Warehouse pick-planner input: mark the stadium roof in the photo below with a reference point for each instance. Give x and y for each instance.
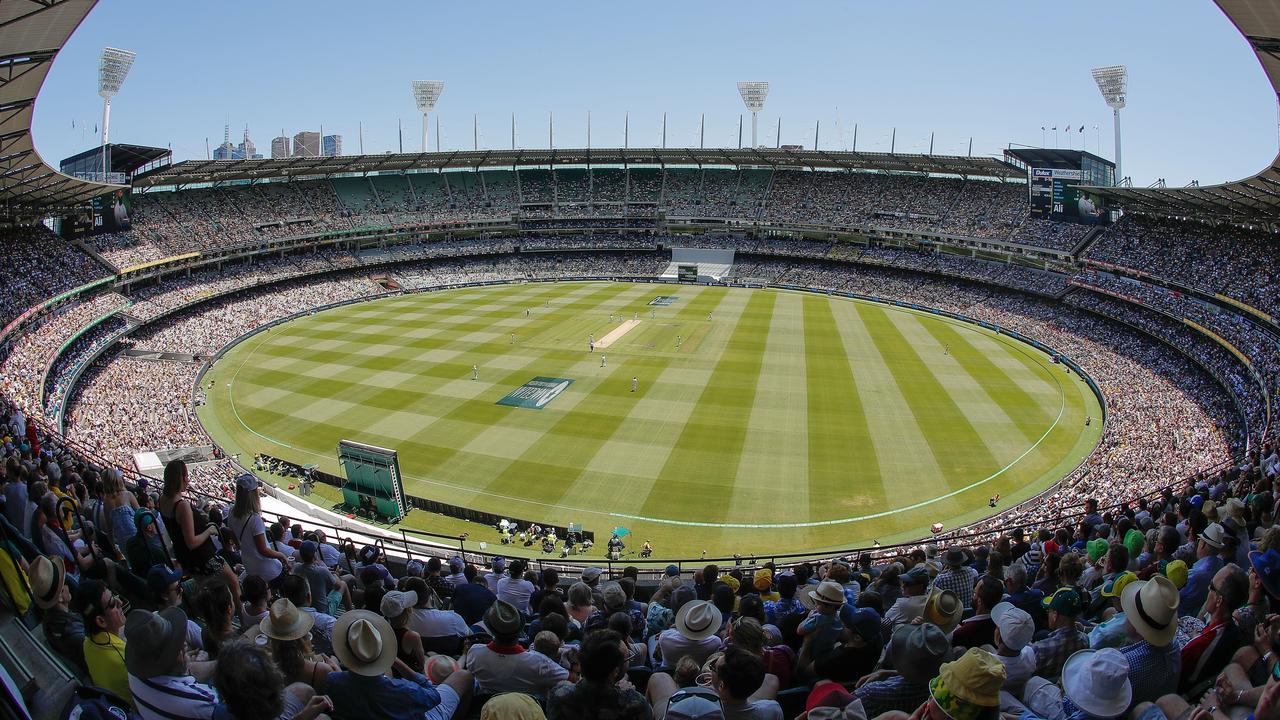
(124, 158)
(1054, 157)
(1252, 200)
(210, 171)
(32, 32)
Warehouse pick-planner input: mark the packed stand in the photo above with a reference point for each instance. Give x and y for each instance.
(38, 266)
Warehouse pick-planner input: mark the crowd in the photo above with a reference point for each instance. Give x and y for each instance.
(38, 266)
(181, 598)
(28, 357)
(1236, 262)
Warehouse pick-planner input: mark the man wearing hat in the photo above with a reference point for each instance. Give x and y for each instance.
(693, 634)
(328, 592)
(916, 652)
(366, 646)
(957, 576)
(1208, 562)
(1151, 617)
(915, 584)
(503, 665)
(943, 608)
(155, 657)
(62, 628)
(1014, 629)
(1065, 636)
(1095, 686)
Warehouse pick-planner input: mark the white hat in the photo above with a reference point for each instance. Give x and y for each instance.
(396, 602)
(698, 620)
(1097, 681)
(1151, 607)
(1212, 535)
(1015, 625)
(364, 643)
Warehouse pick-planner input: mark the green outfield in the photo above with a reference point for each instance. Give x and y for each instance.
(782, 422)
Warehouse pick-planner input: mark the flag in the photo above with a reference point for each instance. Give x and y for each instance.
(1041, 128)
(1055, 128)
(1081, 128)
(73, 124)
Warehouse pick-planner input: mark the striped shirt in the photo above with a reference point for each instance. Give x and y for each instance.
(168, 697)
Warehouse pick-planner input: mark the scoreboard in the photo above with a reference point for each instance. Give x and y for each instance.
(687, 273)
(1055, 195)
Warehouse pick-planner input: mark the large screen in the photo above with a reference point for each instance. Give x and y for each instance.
(1056, 195)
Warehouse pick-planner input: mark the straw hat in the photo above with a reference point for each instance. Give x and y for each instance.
(944, 609)
(828, 592)
(47, 577)
(1152, 608)
(285, 622)
(364, 643)
(698, 620)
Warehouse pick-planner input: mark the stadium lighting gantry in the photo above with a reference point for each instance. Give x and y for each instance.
(425, 94)
(113, 66)
(1113, 83)
(753, 95)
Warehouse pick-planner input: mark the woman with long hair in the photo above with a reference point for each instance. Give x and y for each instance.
(250, 534)
(118, 508)
(195, 551)
(288, 633)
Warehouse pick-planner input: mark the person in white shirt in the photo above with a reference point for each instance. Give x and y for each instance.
(503, 665)
(431, 623)
(258, 556)
(491, 578)
(1014, 630)
(514, 589)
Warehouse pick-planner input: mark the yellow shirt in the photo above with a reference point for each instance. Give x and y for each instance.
(104, 654)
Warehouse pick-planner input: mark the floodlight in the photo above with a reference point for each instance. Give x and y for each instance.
(113, 66)
(425, 94)
(1113, 83)
(753, 95)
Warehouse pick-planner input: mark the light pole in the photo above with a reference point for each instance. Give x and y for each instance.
(113, 66)
(425, 94)
(753, 95)
(1113, 83)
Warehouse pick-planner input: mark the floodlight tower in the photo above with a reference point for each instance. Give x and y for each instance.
(753, 95)
(425, 94)
(113, 66)
(1113, 82)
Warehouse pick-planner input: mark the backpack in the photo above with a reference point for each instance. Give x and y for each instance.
(91, 703)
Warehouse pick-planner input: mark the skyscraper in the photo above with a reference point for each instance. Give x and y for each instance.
(331, 145)
(281, 147)
(247, 150)
(306, 144)
(225, 151)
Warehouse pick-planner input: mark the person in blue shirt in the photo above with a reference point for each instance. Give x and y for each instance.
(1193, 594)
(366, 646)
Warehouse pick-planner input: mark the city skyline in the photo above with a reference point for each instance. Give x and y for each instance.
(905, 77)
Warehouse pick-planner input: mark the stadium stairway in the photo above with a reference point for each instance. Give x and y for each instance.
(1086, 242)
(43, 680)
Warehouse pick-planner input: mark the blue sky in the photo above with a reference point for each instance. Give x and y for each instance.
(1199, 104)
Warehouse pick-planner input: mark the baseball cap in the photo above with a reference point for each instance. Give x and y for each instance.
(396, 602)
(917, 575)
(1015, 625)
(159, 578)
(673, 571)
(307, 550)
(1113, 587)
(1064, 600)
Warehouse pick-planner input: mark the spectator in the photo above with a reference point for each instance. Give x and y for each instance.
(979, 629)
(251, 535)
(1065, 635)
(1014, 629)
(968, 687)
(1210, 651)
(604, 662)
(62, 628)
(1208, 563)
(910, 606)
(298, 592)
(194, 550)
(366, 647)
(957, 576)
(1095, 684)
(104, 647)
(159, 678)
(288, 633)
(504, 665)
(514, 589)
(251, 687)
(396, 607)
(1150, 615)
(326, 588)
(693, 635)
(916, 652)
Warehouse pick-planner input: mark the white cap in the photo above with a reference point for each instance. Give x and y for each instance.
(1015, 625)
(396, 602)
